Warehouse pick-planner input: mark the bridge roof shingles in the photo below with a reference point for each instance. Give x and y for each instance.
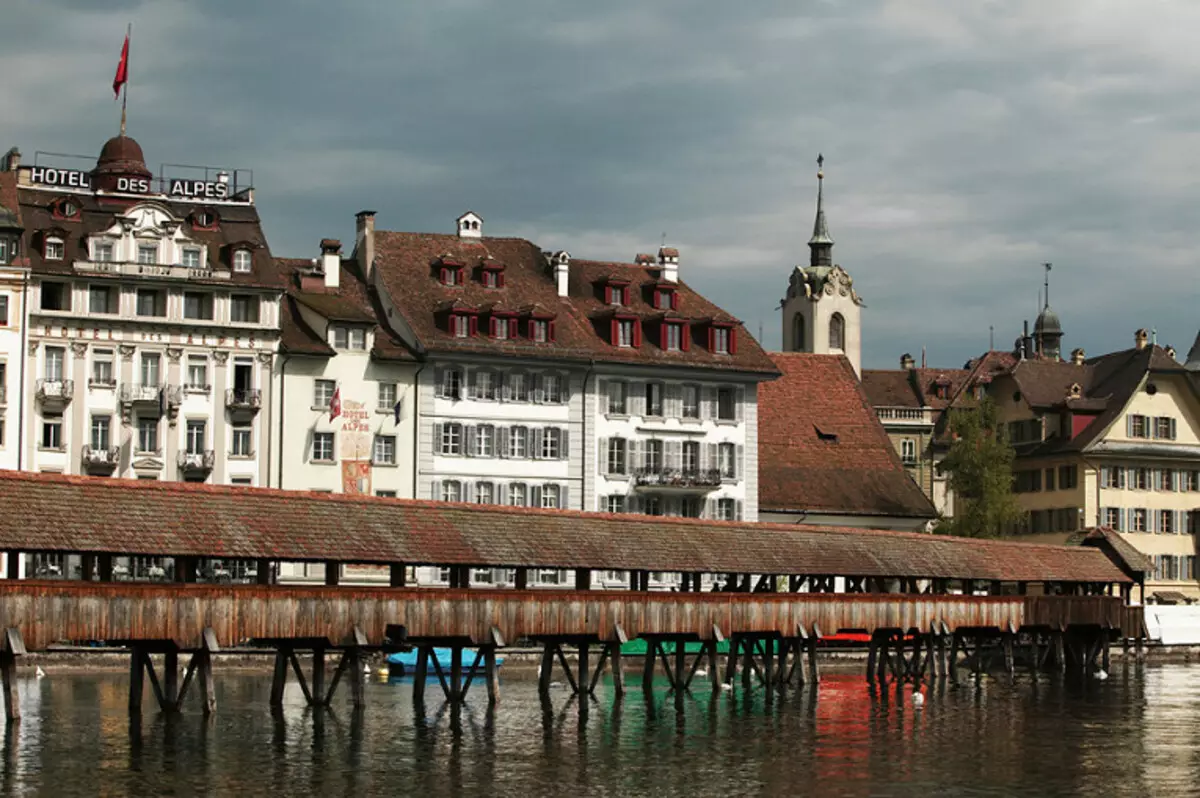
(42, 512)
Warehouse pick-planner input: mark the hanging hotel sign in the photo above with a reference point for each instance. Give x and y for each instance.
(175, 187)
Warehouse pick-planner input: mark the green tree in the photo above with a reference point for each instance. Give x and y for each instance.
(979, 465)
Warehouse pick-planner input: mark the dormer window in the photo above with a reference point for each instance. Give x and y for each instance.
(492, 275)
(204, 220)
(676, 336)
(52, 248)
(666, 299)
(616, 294)
(722, 339)
(102, 251)
(503, 327)
(64, 209)
(462, 325)
(192, 257)
(241, 261)
(626, 332)
(450, 273)
(353, 338)
(147, 254)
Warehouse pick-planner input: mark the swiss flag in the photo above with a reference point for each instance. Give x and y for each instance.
(122, 69)
(335, 404)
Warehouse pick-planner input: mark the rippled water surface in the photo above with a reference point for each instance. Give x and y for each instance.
(1136, 734)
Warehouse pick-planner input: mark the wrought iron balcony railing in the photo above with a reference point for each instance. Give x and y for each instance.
(677, 477)
(55, 390)
(197, 461)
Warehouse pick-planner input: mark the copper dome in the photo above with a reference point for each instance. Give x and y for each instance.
(121, 156)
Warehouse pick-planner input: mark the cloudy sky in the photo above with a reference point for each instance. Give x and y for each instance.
(965, 142)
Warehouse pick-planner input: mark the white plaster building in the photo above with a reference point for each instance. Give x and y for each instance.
(14, 284)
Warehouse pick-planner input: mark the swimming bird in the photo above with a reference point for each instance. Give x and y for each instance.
(702, 673)
(1101, 674)
(726, 686)
(918, 699)
(38, 672)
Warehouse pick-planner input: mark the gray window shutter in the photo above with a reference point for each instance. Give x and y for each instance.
(636, 399)
(469, 440)
(564, 448)
(534, 443)
(739, 505)
(714, 456)
(739, 461)
(674, 455)
(437, 438)
(564, 388)
(633, 456)
(439, 379)
(633, 503)
(1172, 429)
(564, 496)
(537, 390)
(603, 452)
(673, 401)
(535, 495)
(1104, 476)
(601, 396)
(468, 491)
(502, 434)
(739, 401)
(1129, 426)
(710, 508)
(435, 490)
(708, 401)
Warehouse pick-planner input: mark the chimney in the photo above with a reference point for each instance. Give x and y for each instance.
(12, 161)
(561, 261)
(469, 225)
(364, 243)
(1078, 356)
(668, 260)
(907, 362)
(1169, 351)
(1140, 338)
(331, 261)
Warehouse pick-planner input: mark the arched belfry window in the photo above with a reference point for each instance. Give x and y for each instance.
(837, 332)
(797, 333)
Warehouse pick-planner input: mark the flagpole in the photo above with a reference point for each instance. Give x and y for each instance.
(125, 85)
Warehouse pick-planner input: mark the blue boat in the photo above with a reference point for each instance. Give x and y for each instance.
(403, 663)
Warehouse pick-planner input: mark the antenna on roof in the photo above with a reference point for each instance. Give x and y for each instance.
(760, 331)
(1047, 282)
(991, 337)
(922, 355)
(664, 239)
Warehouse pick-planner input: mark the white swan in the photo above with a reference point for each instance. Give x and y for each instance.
(918, 699)
(1101, 674)
(38, 672)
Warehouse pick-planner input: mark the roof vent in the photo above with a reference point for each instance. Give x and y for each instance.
(561, 261)
(470, 225)
(1078, 356)
(907, 362)
(1169, 351)
(1140, 338)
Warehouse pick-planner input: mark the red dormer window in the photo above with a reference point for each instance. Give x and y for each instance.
(492, 274)
(463, 325)
(666, 299)
(205, 219)
(616, 293)
(675, 336)
(502, 327)
(626, 332)
(722, 339)
(451, 275)
(65, 209)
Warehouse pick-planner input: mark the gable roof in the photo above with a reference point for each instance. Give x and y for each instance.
(48, 512)
(801, 467)
(408, 265)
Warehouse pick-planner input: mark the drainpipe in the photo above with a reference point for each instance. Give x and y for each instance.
(282, 382)
(417, 429)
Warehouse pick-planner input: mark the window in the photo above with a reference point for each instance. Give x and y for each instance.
(484, 385)
(1027, 481)
(1068, 477)
(516, 388)
(665, 299)
(1165, 479)
(552, 389)
(385, 450)
(101, 299)
(485, 441)
(551, 443)
(551, 498)
(1189, 481)
(241, 260)
(721, 337)
(450, 384)
(503, 328)
(1050, 479)
(243, 308)
(323, 393)
(1112, 517)
(616, 294)
(151, 302)
(837, 331)
(387, 396)
(385, 494)
(1164, 428)
(1137, 520)
(1141, 479)
(197, 305)
(5, 256)
(652, 456)
(908, 451)
(516, 494)
(617, 397)
(625, 332)
(197, 373)
(451, 275)
(1166, 521)
(613, 504)
(617, 456)
(52, 432)
(691, 401)
(492, 278)
(691, 457)
(147, 435)
(539, 330)
(1139, 427)
(102, 251)
(56, 296)
(518, 442)
(672, 338)
(726, 509)
(241, 442)
(197, 436)
(654, 399)
(452, 439)
(485, 493)
(727, 460)
(726, 404)
(191, 257)
(461, 325)
(102, 368)
(150, 368)
(54, 249)
(101, 432)
(652, 505)
(452, 491)
(147, 254)
(1113, 478)
(55, 360)
(322, 448)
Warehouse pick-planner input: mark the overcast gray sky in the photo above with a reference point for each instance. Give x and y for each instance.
(965, 142)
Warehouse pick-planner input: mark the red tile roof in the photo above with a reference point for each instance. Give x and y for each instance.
(9, 202)
(409, 268)
(44, 512)
(821, 446)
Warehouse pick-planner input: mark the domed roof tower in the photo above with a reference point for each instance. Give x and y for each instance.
(1047, 330)
(120, 157)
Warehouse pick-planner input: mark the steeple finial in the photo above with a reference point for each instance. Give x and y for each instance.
(821, 244)
(1046, 294)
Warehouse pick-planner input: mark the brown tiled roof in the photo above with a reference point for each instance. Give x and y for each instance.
(891, 388)
(802, 467)
(10, 206)
(352, 301)
(1136, 564)
(239, 224)
(409, 270)
(44, 512)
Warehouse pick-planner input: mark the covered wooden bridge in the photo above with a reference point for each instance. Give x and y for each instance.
(923, 599)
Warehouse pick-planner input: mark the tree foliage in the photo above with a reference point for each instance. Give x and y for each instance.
(979, 465)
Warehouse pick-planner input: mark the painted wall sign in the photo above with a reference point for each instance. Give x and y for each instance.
(65, 178)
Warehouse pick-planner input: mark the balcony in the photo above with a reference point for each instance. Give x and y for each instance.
(55, 392)
(677, 480)
(245, 401)
(101, 460)
(141, 394)
(906, 416)
(197, 462)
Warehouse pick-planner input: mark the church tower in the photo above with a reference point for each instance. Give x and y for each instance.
(821, 312)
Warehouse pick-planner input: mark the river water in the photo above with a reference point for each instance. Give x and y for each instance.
(1136, 734)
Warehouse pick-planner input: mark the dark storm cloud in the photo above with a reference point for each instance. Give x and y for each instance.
(967, 143)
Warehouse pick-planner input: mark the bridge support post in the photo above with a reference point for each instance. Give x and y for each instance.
(283, 656)
(136, 684)
(814, 673)
(872, 657)
(546, 670)
(12, 647)
(317, 696)
(952, 662)
(421, 673)
(170, 697)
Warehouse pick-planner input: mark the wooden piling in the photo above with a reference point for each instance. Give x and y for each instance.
(546, 671)
(618, 674)
(279, 679)
(421, 674)
(170, 699)
(491, 674)
(136, 683)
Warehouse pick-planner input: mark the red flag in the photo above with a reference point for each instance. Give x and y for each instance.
(122, 69)
(335, 404)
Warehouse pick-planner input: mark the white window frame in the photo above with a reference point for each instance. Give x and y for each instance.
(323, 444)
(54, 249)
(242, 260)
(321, 387)
(908, 451)
(452, 441)
(241, 441)
(145, 251)
(384, 450)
